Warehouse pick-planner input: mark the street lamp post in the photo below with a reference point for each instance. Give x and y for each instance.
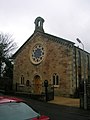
(85, 95)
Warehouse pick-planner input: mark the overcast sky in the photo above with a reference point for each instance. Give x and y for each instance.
(68, 19)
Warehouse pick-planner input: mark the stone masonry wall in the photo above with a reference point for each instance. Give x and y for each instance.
(58, 59)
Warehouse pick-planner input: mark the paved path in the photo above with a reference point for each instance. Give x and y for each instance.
(74, 102)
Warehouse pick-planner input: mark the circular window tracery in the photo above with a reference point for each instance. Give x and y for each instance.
(37, 54)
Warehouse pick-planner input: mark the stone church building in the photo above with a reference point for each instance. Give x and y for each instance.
(47, 57)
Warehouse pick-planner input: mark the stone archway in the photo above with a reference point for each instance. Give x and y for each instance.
(37, 84)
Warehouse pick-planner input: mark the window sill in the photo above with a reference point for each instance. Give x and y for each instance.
(21, 85)
(56, 86)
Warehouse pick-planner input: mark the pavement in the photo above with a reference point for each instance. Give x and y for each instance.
(74, 102)
(61, 108)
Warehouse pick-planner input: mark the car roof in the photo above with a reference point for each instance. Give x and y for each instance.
(7, 99)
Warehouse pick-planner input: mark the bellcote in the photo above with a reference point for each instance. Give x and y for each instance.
(39, 24)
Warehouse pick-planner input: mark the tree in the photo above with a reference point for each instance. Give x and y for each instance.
(8, 74)
(8, 69)
(7, 45)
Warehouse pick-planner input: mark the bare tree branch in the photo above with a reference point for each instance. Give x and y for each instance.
(7, 45)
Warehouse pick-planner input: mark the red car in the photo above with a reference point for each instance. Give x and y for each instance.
(12, 108)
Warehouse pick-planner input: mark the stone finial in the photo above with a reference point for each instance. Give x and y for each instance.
(39, 24)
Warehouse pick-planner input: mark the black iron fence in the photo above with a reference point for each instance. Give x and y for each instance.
(36, 91)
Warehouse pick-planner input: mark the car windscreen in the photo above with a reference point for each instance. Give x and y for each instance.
(16, 111)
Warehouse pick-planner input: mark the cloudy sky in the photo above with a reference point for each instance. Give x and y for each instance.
(69, 19)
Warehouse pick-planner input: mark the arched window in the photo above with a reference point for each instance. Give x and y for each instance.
(22, 79)
(55, 79)
(39, 23)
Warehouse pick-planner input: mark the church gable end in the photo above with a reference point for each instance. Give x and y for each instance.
(44, 57)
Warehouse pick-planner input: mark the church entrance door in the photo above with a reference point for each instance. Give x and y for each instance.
(37, 84)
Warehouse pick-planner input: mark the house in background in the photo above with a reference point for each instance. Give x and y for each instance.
(47, 57)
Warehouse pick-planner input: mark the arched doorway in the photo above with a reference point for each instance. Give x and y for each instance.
(37, 84)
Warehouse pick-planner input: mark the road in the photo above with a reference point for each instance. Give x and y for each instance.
(59, 112)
